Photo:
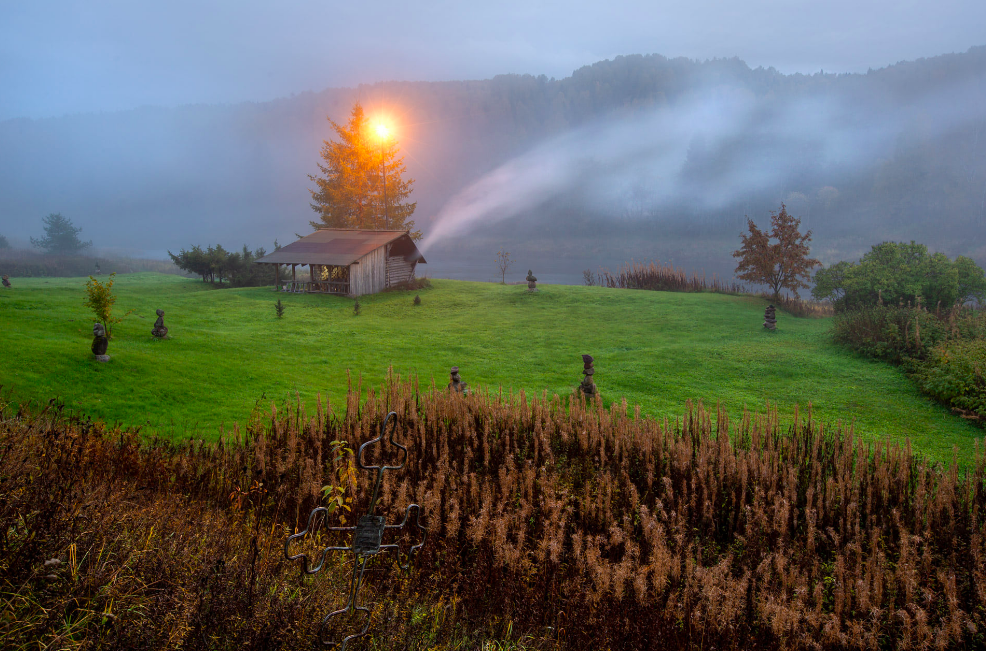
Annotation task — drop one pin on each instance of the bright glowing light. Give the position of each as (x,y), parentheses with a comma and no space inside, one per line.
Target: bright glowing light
(382,131)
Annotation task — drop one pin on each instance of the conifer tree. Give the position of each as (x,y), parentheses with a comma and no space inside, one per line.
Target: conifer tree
(61,237)
(362,183)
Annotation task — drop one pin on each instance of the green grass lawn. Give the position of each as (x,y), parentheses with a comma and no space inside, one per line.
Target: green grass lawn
(228,350)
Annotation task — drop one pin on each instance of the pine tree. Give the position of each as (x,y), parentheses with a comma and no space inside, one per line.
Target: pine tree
(61,237)
(362,183)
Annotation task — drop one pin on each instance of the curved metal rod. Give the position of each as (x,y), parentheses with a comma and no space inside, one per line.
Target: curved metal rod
(417,523)
(356,581)
(322,554)
(393,430)
(380,469)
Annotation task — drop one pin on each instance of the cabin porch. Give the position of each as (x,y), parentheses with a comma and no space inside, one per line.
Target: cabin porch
(322,279)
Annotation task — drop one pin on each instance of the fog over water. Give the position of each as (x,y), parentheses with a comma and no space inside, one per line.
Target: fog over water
(750,145)
(633,158)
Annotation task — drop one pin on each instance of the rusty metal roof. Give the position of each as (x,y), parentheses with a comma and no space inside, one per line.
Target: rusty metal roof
(336,246)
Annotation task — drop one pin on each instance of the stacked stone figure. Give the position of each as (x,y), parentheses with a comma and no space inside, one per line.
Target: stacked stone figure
(770,318)
(588,387)
(160,331)
(6,281)
(532,282)
(100,343)
(457,384)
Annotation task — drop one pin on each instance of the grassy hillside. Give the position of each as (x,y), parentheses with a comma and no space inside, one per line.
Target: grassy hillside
(228,350)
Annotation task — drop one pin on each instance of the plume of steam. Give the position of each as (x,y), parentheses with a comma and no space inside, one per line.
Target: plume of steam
(739,142)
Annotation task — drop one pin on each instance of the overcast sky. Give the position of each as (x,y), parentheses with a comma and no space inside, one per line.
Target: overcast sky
(59,57)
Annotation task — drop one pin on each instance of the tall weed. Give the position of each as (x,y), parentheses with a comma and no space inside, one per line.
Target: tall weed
(552,520)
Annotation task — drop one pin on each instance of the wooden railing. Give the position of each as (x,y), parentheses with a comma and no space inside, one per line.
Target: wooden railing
(315,287)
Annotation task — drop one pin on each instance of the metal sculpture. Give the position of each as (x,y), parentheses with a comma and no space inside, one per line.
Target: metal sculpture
(367,538)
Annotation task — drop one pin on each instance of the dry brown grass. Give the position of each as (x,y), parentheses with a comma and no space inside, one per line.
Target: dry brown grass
(659,277)
(668,278)
(576,526)
(802,308)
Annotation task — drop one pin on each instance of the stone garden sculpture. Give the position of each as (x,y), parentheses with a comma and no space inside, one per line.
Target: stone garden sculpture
(770,318)
(532,282)
(588,387)
(457,384)
(100,343)
(160,331)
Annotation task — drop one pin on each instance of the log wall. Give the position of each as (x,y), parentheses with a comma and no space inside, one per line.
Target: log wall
(399,270)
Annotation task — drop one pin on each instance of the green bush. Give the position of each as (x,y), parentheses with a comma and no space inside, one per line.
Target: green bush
(892,333)
(900,274)
(954,375)
(217,265)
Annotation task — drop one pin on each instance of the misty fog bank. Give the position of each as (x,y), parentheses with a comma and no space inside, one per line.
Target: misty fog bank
(636,158)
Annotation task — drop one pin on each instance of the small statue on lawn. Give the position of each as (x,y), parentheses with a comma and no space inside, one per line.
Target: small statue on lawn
(532,282)
(770,318)
(457,384)
(6,281)
(100,343)
(160,331)
(588,387)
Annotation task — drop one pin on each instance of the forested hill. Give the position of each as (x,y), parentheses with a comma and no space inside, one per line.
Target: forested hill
(896,153)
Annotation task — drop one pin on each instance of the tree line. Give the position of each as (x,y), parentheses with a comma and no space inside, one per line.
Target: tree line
(218,266)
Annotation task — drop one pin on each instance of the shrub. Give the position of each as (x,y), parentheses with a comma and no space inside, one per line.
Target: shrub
(955,375)
(279,308)
(217,265)
(898,273)
(100,299)
(801,308)
(900,334)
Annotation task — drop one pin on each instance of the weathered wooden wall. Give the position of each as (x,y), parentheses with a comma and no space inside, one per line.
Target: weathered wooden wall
(369,275)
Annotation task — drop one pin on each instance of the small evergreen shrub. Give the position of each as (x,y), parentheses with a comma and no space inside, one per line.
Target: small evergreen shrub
(279,308)
(417,299)
(357,308)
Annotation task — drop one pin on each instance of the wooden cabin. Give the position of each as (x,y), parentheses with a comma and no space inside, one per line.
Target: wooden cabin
(347,262)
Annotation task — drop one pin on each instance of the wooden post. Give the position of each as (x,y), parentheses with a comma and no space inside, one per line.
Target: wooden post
(294,278)
(277,277)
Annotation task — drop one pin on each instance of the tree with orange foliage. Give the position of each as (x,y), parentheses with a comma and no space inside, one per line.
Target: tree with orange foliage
(781,265)
(362,183)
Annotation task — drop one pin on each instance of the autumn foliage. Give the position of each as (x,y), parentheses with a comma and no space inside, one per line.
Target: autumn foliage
(555,523)
(783,264)
(362,183)
(100,299)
